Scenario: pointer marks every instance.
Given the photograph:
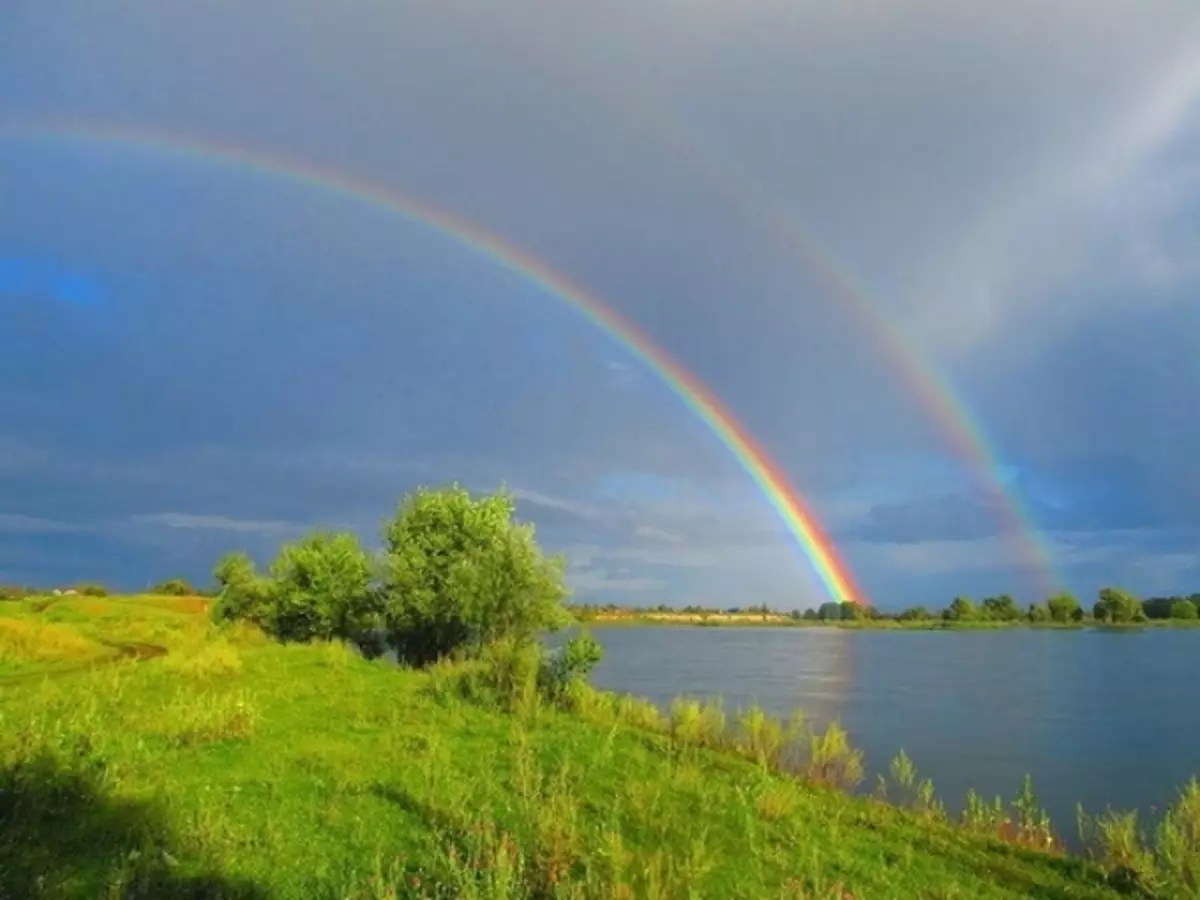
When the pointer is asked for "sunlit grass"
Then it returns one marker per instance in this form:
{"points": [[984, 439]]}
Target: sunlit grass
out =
{"points": [[238, 767]]}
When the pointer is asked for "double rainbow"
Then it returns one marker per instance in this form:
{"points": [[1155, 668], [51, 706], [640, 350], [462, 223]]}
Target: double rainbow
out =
{"points": [[766, 474]]}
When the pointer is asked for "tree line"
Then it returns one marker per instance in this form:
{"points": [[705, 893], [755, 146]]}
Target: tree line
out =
{"points": [[1112, 606]]}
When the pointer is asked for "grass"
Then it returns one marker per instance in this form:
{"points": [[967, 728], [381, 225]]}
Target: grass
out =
{"points": [[236, 767]]}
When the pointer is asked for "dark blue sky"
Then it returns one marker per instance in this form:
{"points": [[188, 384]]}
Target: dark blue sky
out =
{"points": [[194, 359]]}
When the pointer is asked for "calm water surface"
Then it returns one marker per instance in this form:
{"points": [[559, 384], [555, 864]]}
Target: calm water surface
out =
{"points": [[1098, 717]]}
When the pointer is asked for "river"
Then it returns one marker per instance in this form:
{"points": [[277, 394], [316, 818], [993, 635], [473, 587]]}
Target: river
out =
{"points": [[1105, 718]]}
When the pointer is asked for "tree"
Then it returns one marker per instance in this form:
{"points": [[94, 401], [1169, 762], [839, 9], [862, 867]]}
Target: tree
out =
{"points": [[322, 589], [173, 587], [1064, 607], [810, 615], [1116, 605], [1184, 609], [961, 610], [1001, 609], [830, 611], [242, 593], [1038, 612], [460, 573], [914, 614], [1158, 607]]}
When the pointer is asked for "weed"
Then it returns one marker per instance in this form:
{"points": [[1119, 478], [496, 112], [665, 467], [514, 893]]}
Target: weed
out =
{"points": [[832, 760], [213, 660], [209, 718]]}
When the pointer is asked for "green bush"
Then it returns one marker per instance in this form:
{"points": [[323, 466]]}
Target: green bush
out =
{"points": [[322, 589], [459, 573], [91, 590], [570, 665], [174, 587], [1184, 609], [243, 594], [1117, 606], [1064, 607]]}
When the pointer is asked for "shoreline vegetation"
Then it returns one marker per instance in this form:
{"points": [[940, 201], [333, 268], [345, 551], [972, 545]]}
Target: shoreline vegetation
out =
{"points": [[1114, 608], [269, 752]]}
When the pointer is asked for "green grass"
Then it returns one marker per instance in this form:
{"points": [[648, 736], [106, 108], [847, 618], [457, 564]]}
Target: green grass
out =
{"points": [[235, 767]]}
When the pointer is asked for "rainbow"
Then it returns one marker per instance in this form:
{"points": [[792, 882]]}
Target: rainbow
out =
{"points": [[932, 388], [799, 518]]}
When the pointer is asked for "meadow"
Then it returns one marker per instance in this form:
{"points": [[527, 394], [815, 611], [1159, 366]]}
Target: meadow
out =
{"points": [[237, 766]]}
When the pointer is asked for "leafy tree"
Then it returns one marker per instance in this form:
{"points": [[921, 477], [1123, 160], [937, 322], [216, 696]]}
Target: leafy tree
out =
{"points": [[173, 587], [460, 573], [1064, 607], [1001, 609], [91, 590], [961, 610], [914, 614], [810, 615], [830, 611], [322, 589], [855, 612], [242, 593], [1158, 607], [1038, 612], [1116, 605], [1184, 609]]}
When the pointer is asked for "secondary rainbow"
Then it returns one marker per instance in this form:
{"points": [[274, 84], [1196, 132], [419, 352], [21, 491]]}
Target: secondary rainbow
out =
{"points": [[770, 479], [933, 390]]}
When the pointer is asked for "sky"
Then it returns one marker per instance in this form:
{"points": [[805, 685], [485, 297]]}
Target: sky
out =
{"points": [[197, 357]]}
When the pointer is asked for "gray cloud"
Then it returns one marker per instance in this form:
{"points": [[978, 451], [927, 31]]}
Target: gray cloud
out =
{"points": [[1015, 185]]}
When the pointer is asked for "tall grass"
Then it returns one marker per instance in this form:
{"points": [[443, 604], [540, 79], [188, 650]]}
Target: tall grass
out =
{"points": [[26, 641]]}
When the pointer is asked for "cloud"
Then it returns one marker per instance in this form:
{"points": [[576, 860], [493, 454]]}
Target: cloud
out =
{"points": [[1015, 186], [656, 534], [15, 522], [266, 528]]}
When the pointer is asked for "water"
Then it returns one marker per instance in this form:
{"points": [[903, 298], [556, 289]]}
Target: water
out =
{"points": [[1106, 718]]}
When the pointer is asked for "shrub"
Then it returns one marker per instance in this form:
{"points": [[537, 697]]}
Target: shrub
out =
{"points": [[1116, 605], [570, 665], [173, 587], [91, 590], [833, 760], [1064, 607], [1184, 609], [243, 594], [961, 610], [460, 573], [321, 589]]}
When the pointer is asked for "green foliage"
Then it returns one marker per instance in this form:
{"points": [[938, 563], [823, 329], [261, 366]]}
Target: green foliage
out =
{"points": [[90, 590], [1064, 607], [914, 614], [322, 589], [173, 587], [243, 595], [1118, 606], [460, 573], [1001, 609], [569, 667], [1038, 612], [1184, 609], [830, 611], [961, 610]]}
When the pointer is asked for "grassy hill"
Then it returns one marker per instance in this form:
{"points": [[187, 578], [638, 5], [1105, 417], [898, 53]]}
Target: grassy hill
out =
{"points": [[233, 766]]}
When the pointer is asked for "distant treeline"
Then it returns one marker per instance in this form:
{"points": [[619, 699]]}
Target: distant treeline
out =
{"points": [[172, 587], [1112, 606]]}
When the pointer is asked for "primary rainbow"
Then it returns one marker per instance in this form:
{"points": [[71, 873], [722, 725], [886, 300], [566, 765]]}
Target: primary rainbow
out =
{"points": [[932, 388], [774, 484]]}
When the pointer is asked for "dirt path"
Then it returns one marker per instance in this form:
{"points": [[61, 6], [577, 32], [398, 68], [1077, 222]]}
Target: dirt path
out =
{"points": [[125, 650]]}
